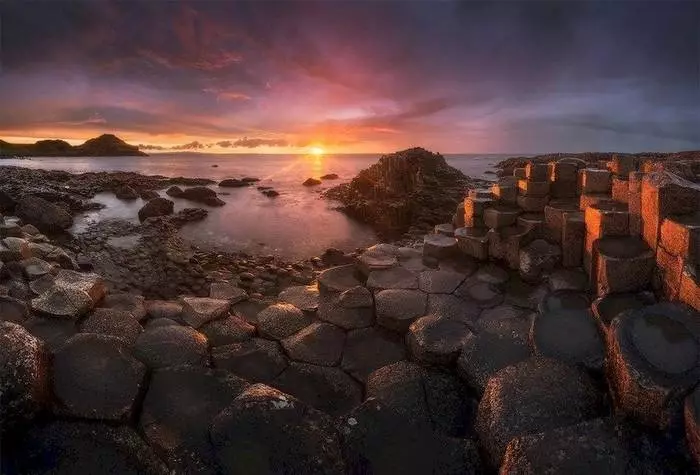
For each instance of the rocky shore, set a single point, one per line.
(552, 326)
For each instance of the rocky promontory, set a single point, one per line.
(413, 188)
(106, 145)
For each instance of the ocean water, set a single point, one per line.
(296, 224)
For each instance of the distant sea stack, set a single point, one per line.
(106, 145)
(413, 188)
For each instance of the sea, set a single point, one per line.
(295, 225)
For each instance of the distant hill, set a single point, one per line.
(106, 145)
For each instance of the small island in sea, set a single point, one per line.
(106, 145)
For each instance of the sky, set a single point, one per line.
(354, 76)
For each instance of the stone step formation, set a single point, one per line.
(552, 327)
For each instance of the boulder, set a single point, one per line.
(14, 249)
(440, 281)
(227, 330)
(436, 340)
(397, 308)
(10, 230)
(13, 310)
(161, 347)
(330, 176)
(311, 182)
(70, 447)
(63, 302)
(53, 332)
(281, 320)
(117, 323)
(46, 216)
(201, 194)
(303, 297)
(24, 376)
(382, 440)
(178, 410)
(327, 389)
(319, 343)
(653, 360)
(125, 192)
(196, 311)
(174, 191)
(147, 195)
(233, 183)
(156, 207)
(126, 302)
(267, 431)
(96, 377)
(227, 291)
(92, 284)
(428, 397)
(533, 396)
(34, 268)
(257, 360)
(368, 349)
(163, 309)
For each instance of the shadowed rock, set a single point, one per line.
(394, 278)
(163, 309)
(227, 330)
(533, 396)
(449, 306)
(178, 410)
(353, 308)
(46, 216)
(118, 323)
(338, 279)
(319, 343)
(126, 302)
(303, 297)
(368, 349)
(96, 377)
(156, 207)
(257, 360)
(436, 340)
(161, 347)
(227, 291)
(281, 320)
(33, 268)
(63, 302)
(483, 294)
(54, 332)
(267, 431)
(196, 311)
(440, 281)
(397, 309)
(13, 310)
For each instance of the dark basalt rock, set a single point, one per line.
(311, 182)
(330, 176)
(319, 343)
(126, 302)
(436, 340)
(46, 216)
(281, 320)
(178, 410)
(161, 347)
(228, 330)
(125, 192)
(68, 448)
(200, 194)
(257, 360)
(368, 349)
(96, 377)
(266, 431)
(233, 183)
(13, 310)
(111, 322)
(24, 376)
(156, 207)
(53, 332)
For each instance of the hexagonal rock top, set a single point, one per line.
(394, 278)
(319, 343)
(257, 360)
(439, 246)
(533, 396)
(118, 323)
(92, 284)
(96, 377)
(571, 336)
(368, 349)
(483, 294)
(436, 340)
(227, 330)
(304, 297)
(196, 311)
(281, 320)
(653, 358)
(86, 447)
(426, 396)
(563, 300)
(160, 347)
(267, 431)
(449, 306)
(179, 408)
(13, 310)
(227, 291)
(440, 281)
(397, 309)
(327, 389)
(607, 308)
(353, 308)
(127, 302)
(63, 302)
(538, 258)
(24, 375)
(338, 279)
(375, 259)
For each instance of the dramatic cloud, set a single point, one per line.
(455, 76)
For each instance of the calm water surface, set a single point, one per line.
(296, 224)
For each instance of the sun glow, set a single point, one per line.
(316, 150)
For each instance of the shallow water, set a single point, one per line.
(296, 224)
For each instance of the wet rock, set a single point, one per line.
(257, 360)
(13, 310)
(397, 309)
(24, 376)
(65, 447)
(266, 431)
(428, 397)
(436, 340)
(227, 330)
(303, 297)
(491, 274)
(233, 183)
(156, 207)
(319, 343)
(34, 268)
(227, 291)
(126, 193)
(393, 278)
(271, 193)
(126, 302)
(653, 360)
(353, 308)
(281, 320)
(335, 257)
(338, 279)
(327, 389)
(163, 309)
(449, 306)
(46, 216)
(311, 182)
(96, 377)
(174, 191)
(111, 322)
(533, 396)
(201, 194)
(564, 300)
(147, 195)
(368, 349)
(589, 447)
(330, 176)
(10, 230)
(523, 294)
(196, 311)
(440, 281)
(161, 347)
(178, 410)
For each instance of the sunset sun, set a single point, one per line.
(316, 150)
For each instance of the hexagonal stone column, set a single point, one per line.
(353, 308)
(634, 202)
(653, 359)
(533, 396)
(620, 189)
(574, 239)
(533, 222)
(680, 236)
(375, 259)
(474, 211)
(196, 311)
(447, 229)
(500, 216)
(338, 279)
(606, 308)
(623, 264)
(394, 278)
(436, 340)
(537, 171)
(506, 243)
(538, 258)
(257, 360)
(281, 320)
(554, 218)
(691, 415)
(368, 349)
(689, 291)
(397, 309)
(595, 181)
(589, 199)
(473, 242)
(505, 193)
(319, 343)
(623, 165)
(96, 377)
(532, 204)
(602, 220)
(160, 347)
(439, 246)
